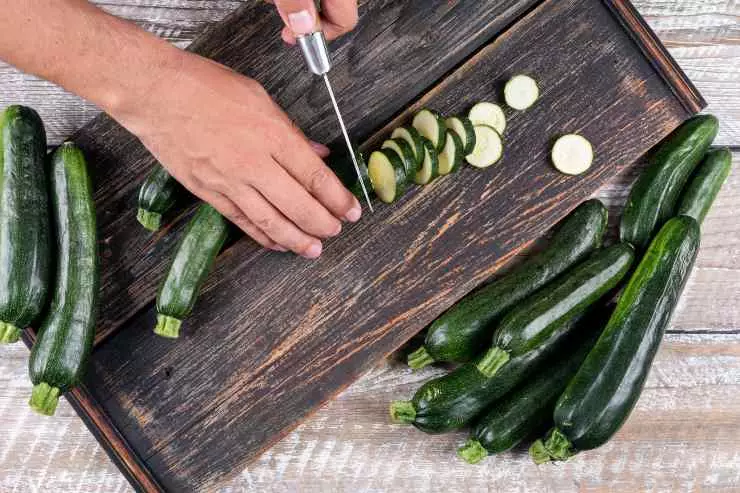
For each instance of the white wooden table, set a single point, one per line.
(683, 436)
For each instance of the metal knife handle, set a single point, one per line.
(315, 52)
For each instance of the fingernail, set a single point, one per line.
(337, 230)
(354, 214)
(301, 22)
(314, 251)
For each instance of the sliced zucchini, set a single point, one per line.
(572, 154)
(488, 147)
(451, 155)
(405, 152)
(387, 175)
(412, 137)
(356, 187)
(488, 114)
(521, 92)
(432, 126)
(430, 166)
(463, 127)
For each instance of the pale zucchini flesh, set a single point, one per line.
(463, 127)
(405, 152)
(412, 137)
(431, 126)
(572, 154)
(451, 155)
(488, 114)
(489, 147)
(430, 166)
(521, 92)
(387, 175)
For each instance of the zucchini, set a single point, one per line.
(521, 92)
(603, 392)
(465, 329)
(431, 126)
(24, 221)
(416, 141)
(203, 239)
(463, 127)
(488, 114)
(525, 410)
(488, 147)
(538, 319)
(654, 195)
(572, 154)
(157, 196)
(429, 165)
(387, 175)
(61, 352)
(404, 151)
(699, 194)
(451, 155)
(356, 187)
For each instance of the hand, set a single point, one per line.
(225, 139)
(300, 17)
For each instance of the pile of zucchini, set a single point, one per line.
(548, 344)
(48, 247)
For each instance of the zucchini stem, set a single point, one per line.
(167, 326)
(492, 361)
(44, 399)
(555, 446)
(9, 333)
(403, 412)
(472, 452)
(150, 220)
(419, 359)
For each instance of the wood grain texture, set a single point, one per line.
(302, 330)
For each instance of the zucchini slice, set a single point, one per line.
(451, 155)
(404, 151)
(432, 126)
(463, 127)
(356, 187)
(572, 154)
(412, 137)
(430, 165)
(488, 147)
(488, 114)
(387, 175)
(521, 92)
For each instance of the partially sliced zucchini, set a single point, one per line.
(572, 154)
(488, 114)
(387, 175)
(488, 147)
(430, 166)
(356, 188)
(463, 127)
(452, 154)
(432, 126)
(412, 137)
(521, 92)
(405, 152)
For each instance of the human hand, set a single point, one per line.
(223, 137)
(300, 17)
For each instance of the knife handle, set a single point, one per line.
(316, 52)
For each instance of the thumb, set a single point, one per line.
(299, 15)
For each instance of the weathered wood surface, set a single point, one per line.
(62, 455)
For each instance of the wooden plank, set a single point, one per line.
(304, 330)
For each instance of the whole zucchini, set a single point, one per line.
(60, 355)
(603, 392)
(464, 330)
(24, 221)
(699, 194)
(196, 252)
(655, 194)
(157, 196)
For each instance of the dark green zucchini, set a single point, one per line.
(25, 264)
(157, 196)
(61, 352)
(655, 194)
(603, 392)
(464, 331)
(699, 194)
(203, 239)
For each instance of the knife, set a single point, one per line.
(318, 59)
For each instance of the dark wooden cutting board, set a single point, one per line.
(274, 336)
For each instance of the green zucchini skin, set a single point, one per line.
(60, 355)
(157, 195)
(201, 242)
(25, 268)
(702, 190)
(464, 331)
(655, 194)
(603, 392)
